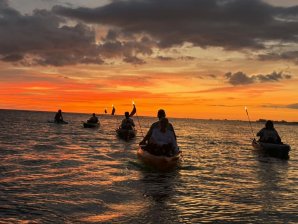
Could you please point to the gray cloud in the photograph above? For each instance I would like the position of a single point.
(12, 57)
(240, 78)
(43, 37)
(134, 60)
(288, 56)
(137, 26)
(231, 24)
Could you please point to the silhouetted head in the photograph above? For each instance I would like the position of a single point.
(161, 113)
(93, 114)
(269, 125)
(59, 111)
(126, 114)
(163, 124)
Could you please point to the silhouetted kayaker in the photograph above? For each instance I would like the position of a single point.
(160, 114)
(268, 134)
(127, 122)
(162, 140)
(93, 119)
(58, 117)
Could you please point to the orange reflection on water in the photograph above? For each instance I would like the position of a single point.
(116, 211)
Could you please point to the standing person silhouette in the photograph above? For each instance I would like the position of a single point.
(160, 114)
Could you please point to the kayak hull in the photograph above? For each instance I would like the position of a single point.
(273, 150)
(126, 134)
(160, 163)
(91, 125)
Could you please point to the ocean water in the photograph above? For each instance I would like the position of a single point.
(53, 173)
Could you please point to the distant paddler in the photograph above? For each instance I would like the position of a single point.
(59, 118)
(126, 130)
(92, 122)
(113, 110)
(127, 122)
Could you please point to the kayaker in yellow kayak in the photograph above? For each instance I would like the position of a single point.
(160, 114)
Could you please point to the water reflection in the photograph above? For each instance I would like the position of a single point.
(273, 191)
(158, 190)
(70, 174)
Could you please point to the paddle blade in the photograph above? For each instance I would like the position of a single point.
(134, 110)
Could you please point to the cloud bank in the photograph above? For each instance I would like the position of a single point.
(137, 27)
(230, 24)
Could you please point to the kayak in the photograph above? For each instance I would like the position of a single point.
(91, 125)
(126, 134)
(161, 163)
(274, 150)
(55, 122)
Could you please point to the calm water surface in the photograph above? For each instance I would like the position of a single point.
(53, 173)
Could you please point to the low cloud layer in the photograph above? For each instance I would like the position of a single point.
(293, 106)
(137, 27)
(240, 78)
(288, 106)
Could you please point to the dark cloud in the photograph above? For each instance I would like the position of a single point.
(231, 24)
(164, 58)
(112, 47)
(288, 56)
(12, 58)
(240, 78)
(137, 27)
(44, 38)
(134, 60)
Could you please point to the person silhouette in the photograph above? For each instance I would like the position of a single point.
(93, 119)
(268, 134)
(127, 122)
(58, 117)
(160, 114)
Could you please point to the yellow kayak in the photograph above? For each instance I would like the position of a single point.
(161, 163)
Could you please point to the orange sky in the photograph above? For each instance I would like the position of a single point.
(180, 94)
(215, 81)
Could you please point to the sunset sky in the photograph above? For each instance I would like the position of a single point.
(194, 58)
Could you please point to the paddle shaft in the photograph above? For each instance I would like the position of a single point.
(140, 125)
(250, 123)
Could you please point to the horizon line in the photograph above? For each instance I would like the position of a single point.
(214, 119)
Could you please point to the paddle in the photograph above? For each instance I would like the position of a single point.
(250, 124)
(134, 111)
